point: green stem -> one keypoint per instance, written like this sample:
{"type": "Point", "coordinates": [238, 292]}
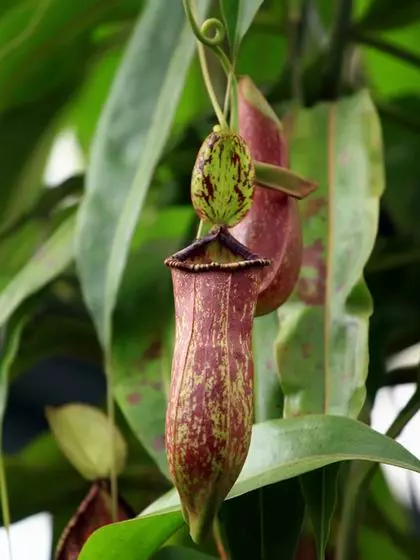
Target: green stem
{"type": "Point", "coordinates": [400, 376]}
{"type": "Point", "coordinates": [339, 36]}
{"type": "Point", "coordinates": [214, 42]}
{"type": "Point", "coordinates": [111, 417]}
{"type": "Point", "coordinates": [5, 508]}
{"type": "Point", "coordinates": [385, 47]}
{"type": "Point", "coordinates": [209, 86]}
{"type": "Point", "coordinates": [358, 487]}
{"type": "Point", "coordinates": [218, 539]}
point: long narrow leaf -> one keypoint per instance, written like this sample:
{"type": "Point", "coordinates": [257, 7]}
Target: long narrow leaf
{"type": "Point", "coordinates": [322, 347]}
{"type": "Point", "coordinates": [131, 135]}
{"type": "Point", "coordinates": [50, 259]}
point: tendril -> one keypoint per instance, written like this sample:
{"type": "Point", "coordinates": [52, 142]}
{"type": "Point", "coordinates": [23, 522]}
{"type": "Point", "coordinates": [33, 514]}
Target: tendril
{"type": "Point", "coordinates": [211, 26]}
{"type": "Point", "coordinates": [212, 33]}
{"type": "Point", "coordinates": [215, 26]}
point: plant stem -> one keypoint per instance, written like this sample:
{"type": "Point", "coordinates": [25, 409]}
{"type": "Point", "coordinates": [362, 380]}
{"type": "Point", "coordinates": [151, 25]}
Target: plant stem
{"type": "Point", "coordinates": [209, 85]}
{"type": "Point", "coordinates": [213, 43]}
{"type": "Point", "coordinates": [358, 486]}
{"type": "Point", "coordinates": [296, 25]}
{"type": "Point", "coordinates": [401, 376]}
{"type": "Point", "coordinates": [110, 405]}
{"type": "Point", "coordinates": [385, 46]}
{"type": "Point", "coordinates": [218, 539]}
{"type": "Point", "coordinates": [404, 417]}
{"type": "Point", "coordinates": [5, 507]}
{"type": "Point", "coordinates": [339, 36]}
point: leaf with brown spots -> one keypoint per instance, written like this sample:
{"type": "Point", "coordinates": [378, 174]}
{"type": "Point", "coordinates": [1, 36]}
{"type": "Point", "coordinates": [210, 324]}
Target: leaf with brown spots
{"type": "Point", "coordinates": [322, 346]}
{"type": "Point", "coordinates": [322, 343]}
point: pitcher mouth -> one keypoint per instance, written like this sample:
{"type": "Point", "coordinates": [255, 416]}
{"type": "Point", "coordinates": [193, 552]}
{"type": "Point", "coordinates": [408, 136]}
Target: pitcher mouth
{"type": "Point", "coordinates": [217, 251]}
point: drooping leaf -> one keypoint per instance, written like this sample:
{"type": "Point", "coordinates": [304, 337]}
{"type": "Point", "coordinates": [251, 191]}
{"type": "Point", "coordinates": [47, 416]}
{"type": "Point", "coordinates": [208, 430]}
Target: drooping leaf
{"type": "Point", "coordinates": [265, 523]}
{"type": "Point", "coordinates": [320, 491]}
{"type": "Point", "coordinates": [282, 449]}
{"type": "Point", "coordinates": [141, 360]}
{"type": "Point", "coordinates": [130, 138]}
{"type": "Point", "coordinates": [139, 538]}
{"type": "Point", "coordinates": [238, 16]}
{"type": "Point", "coordinates": [49, 261]}
{"type": "Point", "coordinates": [323, 337]}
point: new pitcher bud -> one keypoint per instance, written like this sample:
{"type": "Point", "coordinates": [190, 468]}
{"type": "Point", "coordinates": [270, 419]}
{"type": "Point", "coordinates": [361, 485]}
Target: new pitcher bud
{"type": "Point", "coordinates": [222, 183]}
{"type": "Point", "coordinates": [210, 411]}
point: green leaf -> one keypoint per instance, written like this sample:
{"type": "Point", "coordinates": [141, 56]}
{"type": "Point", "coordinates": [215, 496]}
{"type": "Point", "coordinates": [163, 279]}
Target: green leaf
{"type": "Point", "coordinates": [138, 539]}
{"type": "Point", "coordinates": [86, 109]}
{"type": "Point", "coordinates": [50, 259]}
{"type": "Point", "coordinates": [384, 14]}
{"type": "Point", "coordinates": [255, 531]}
{"type": "Point", "coordinates": [44, 46]}
{"type": "Point", "coordinates": [53, 485]}
{"type": "Point", "coordinates": [10, 345]}
{"type": "Point", "coordinates": [17, 249]}
{"type": "Point", "coordinates": [238, 16]}
{"type": "Point", "coordinates": [320, 491]}
{"type": "Point", "coordinates": [268, 397]}
{"type": "Point", "coordinates": [283, 180]}
{"type": "Point", "coordinates": [9, 349]}
{"type": "Point", "coordinates": [130, 138]}
{"type": "Point", "coordinates": [140, 358]}
{"type": "Point", "coordinates": [26, 136]}
{"type": "Point", "coordinates": [282, 449]}
{"type": "Point", "coordinates": [322, 347]}
{"type": "Point", "coordinates": [388, 75]}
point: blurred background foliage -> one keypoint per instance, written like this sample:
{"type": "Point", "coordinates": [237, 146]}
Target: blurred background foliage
{"type": "Point", "coordinates": [58, 59]}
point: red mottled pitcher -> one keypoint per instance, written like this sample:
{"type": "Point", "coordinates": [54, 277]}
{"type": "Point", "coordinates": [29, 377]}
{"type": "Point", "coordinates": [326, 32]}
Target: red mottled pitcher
{"type": "Point", "coordinates": [210, 412]}
{"type": "Point", "coordinates": [272, 226]}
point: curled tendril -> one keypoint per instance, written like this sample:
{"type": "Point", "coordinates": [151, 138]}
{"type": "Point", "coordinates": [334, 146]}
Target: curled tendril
{"type": "Point", "coordinates": [214, 26]}
{"type": "Point", "coordinates": [212, 32]}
